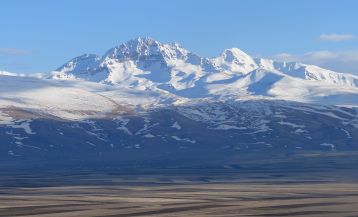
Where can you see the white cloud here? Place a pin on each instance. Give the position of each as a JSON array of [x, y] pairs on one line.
[[337, 37], [14, 51], [341, 61]]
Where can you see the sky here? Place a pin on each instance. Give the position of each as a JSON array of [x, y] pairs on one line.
[[41, 35]]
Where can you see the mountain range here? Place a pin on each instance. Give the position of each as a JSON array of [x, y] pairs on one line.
[[145, 102]]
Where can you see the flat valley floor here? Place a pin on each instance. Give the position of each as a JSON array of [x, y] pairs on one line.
[[194, 194]]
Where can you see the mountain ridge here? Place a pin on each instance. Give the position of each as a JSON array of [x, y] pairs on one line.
[[146, 73], [147, 101], [173, 66]]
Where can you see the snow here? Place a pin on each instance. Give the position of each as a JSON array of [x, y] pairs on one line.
[[176, 125], [15, 124], [300, 131], [349, 136], [149, 135], [235, 60], [291, 124], [143, 74], [228, 127], [91, 144], [122, 125], [58, 98], [23, 124], [332, 146], [9, 73], [183, 139], [144, 64], [5, 119]]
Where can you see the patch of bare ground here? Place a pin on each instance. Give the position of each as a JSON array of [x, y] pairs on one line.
[[19, 113]]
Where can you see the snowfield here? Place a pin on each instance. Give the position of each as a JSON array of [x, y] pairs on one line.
[[144, 74]]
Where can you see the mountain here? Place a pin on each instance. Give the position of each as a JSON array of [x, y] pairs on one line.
[[8, 73], [144, 63], [145, 102]]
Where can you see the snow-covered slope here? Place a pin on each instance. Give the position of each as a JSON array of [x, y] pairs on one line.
[[146, 64], [146, 99], [47, 97], [145, 74], [8, 73], [310, 72]]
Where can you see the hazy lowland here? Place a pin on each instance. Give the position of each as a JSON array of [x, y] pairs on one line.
[[318, 184]]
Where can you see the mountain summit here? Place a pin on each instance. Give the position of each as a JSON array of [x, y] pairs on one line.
[[146, 101], [145, 63], [146, 47]]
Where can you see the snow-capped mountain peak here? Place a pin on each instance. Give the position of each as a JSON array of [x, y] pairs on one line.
[[84, 66], [140, 48], [145, 63], [235, 54], [80, 63], [144, 93], [235, 60]]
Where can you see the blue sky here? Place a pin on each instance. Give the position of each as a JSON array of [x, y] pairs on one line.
[[41, 35]]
